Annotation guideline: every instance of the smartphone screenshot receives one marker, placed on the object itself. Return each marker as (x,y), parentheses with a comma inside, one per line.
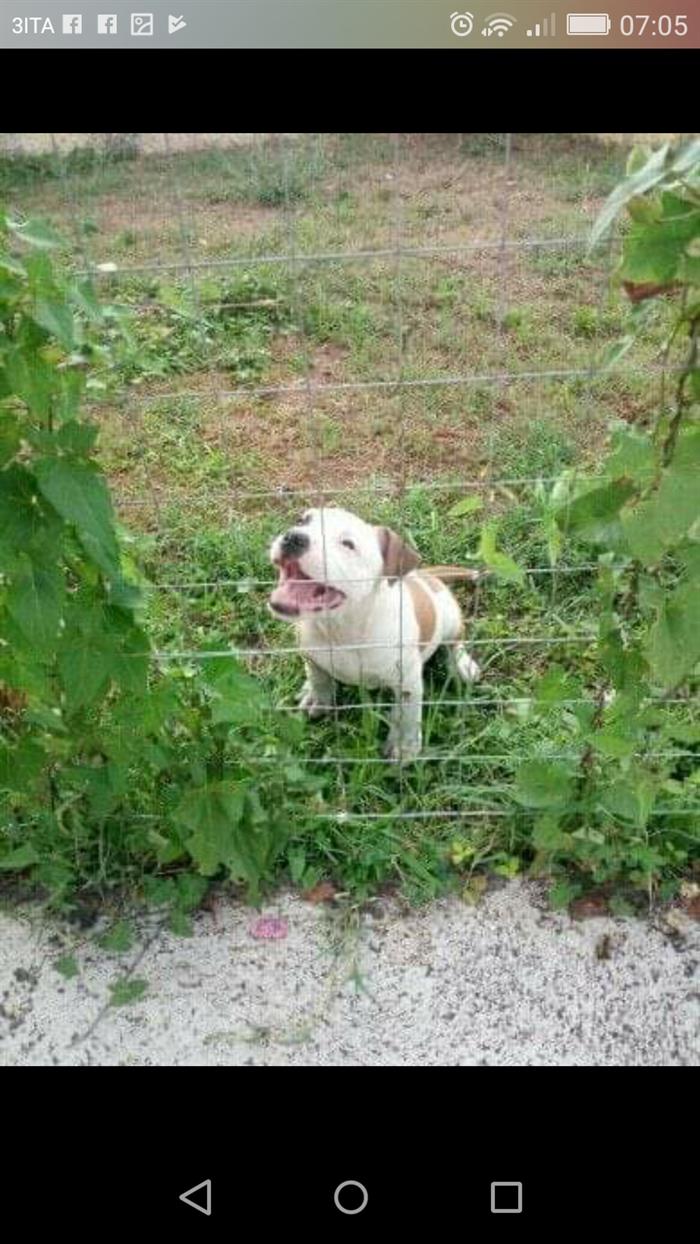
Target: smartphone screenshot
(349,592)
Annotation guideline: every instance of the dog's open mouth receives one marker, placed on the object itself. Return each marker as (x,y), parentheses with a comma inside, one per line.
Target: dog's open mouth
(296,593)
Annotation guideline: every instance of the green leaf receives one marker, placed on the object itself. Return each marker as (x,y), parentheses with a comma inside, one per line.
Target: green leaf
(556,685)
(654,525)
(66,966)
(77,438)
(469,505)
(129,654)
(543,784)
(297,864)
(19,859)
(656,252)
(158,890)
(106,786)
(629,800)
(34,600)
(237,698)
(626,667)
(633,456)
(21,765)
(147,716)
(180,923)
(615,740)
(563,893)
(190,890)
(233,829)
(33,380)
(594,515)
(81,497)
(498,563)
(651,594)
(213,814)
(616,351)
(9,437)
(35,234)
(508,866)
(637,183)
(127,990)
(84,674)
(83,296)
(27,523)
(57,319)
(548,835)
(673,644)
(67,401)
(118,939)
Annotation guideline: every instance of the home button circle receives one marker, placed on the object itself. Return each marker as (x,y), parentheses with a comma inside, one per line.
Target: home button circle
(350,1197)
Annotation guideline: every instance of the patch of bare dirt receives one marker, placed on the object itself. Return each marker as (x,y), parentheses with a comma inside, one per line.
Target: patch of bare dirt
(215,221)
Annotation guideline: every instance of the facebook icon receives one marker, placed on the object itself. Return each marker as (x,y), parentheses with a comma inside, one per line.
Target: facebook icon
(72,24)
(106,23)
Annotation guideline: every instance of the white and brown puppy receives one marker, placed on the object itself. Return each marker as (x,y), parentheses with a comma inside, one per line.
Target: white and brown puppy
(364,614)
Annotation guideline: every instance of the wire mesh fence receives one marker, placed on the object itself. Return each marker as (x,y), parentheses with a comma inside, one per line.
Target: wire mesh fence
(391,323)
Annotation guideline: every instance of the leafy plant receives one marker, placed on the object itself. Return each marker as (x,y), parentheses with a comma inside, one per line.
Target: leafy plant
(125,991)
(626,803)
(111,769)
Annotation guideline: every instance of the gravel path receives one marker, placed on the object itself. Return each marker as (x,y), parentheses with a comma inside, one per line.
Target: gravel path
(506,983)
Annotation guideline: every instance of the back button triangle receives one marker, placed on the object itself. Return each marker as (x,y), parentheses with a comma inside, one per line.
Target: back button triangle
(187,1197)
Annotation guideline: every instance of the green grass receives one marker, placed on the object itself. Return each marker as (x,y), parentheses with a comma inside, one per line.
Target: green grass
(275,176)
(484,741)
(191,337)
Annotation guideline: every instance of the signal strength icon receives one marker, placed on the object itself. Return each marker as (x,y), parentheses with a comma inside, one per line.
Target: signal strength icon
(498,24)
(548,27)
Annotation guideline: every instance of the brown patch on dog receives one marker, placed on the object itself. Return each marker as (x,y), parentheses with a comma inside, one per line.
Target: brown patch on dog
(399,557)
(425,610)
(432,582)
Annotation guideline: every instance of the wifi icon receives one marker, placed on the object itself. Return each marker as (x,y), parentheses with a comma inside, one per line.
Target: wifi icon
(498,24)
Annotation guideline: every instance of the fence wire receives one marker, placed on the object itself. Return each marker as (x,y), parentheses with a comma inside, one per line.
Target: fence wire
(502,220)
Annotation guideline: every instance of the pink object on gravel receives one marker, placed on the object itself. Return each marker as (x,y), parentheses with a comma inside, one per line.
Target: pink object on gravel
(271,928)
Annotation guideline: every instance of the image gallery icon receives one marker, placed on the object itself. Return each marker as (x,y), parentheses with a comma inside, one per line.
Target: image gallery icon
(142,23)
(72,23)
(106,23)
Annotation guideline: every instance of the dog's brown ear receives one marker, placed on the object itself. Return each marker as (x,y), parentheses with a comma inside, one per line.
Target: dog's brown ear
(399,557)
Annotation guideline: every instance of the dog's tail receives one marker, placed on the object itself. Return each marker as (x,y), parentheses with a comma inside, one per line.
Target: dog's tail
(454,574)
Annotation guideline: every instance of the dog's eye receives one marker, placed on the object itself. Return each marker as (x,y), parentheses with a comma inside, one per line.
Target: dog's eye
(305,518)
(348,544)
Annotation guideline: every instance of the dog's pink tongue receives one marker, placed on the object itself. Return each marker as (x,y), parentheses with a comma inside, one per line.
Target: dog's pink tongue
(293,593)
(285,597)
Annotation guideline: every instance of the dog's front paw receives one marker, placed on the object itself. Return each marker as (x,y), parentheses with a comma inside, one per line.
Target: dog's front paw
(402,750)
(313,707)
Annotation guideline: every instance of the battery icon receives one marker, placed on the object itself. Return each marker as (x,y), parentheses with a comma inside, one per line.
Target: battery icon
(587,24)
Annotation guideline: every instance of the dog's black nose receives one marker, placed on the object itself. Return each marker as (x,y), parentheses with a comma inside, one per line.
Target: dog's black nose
(294,543)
